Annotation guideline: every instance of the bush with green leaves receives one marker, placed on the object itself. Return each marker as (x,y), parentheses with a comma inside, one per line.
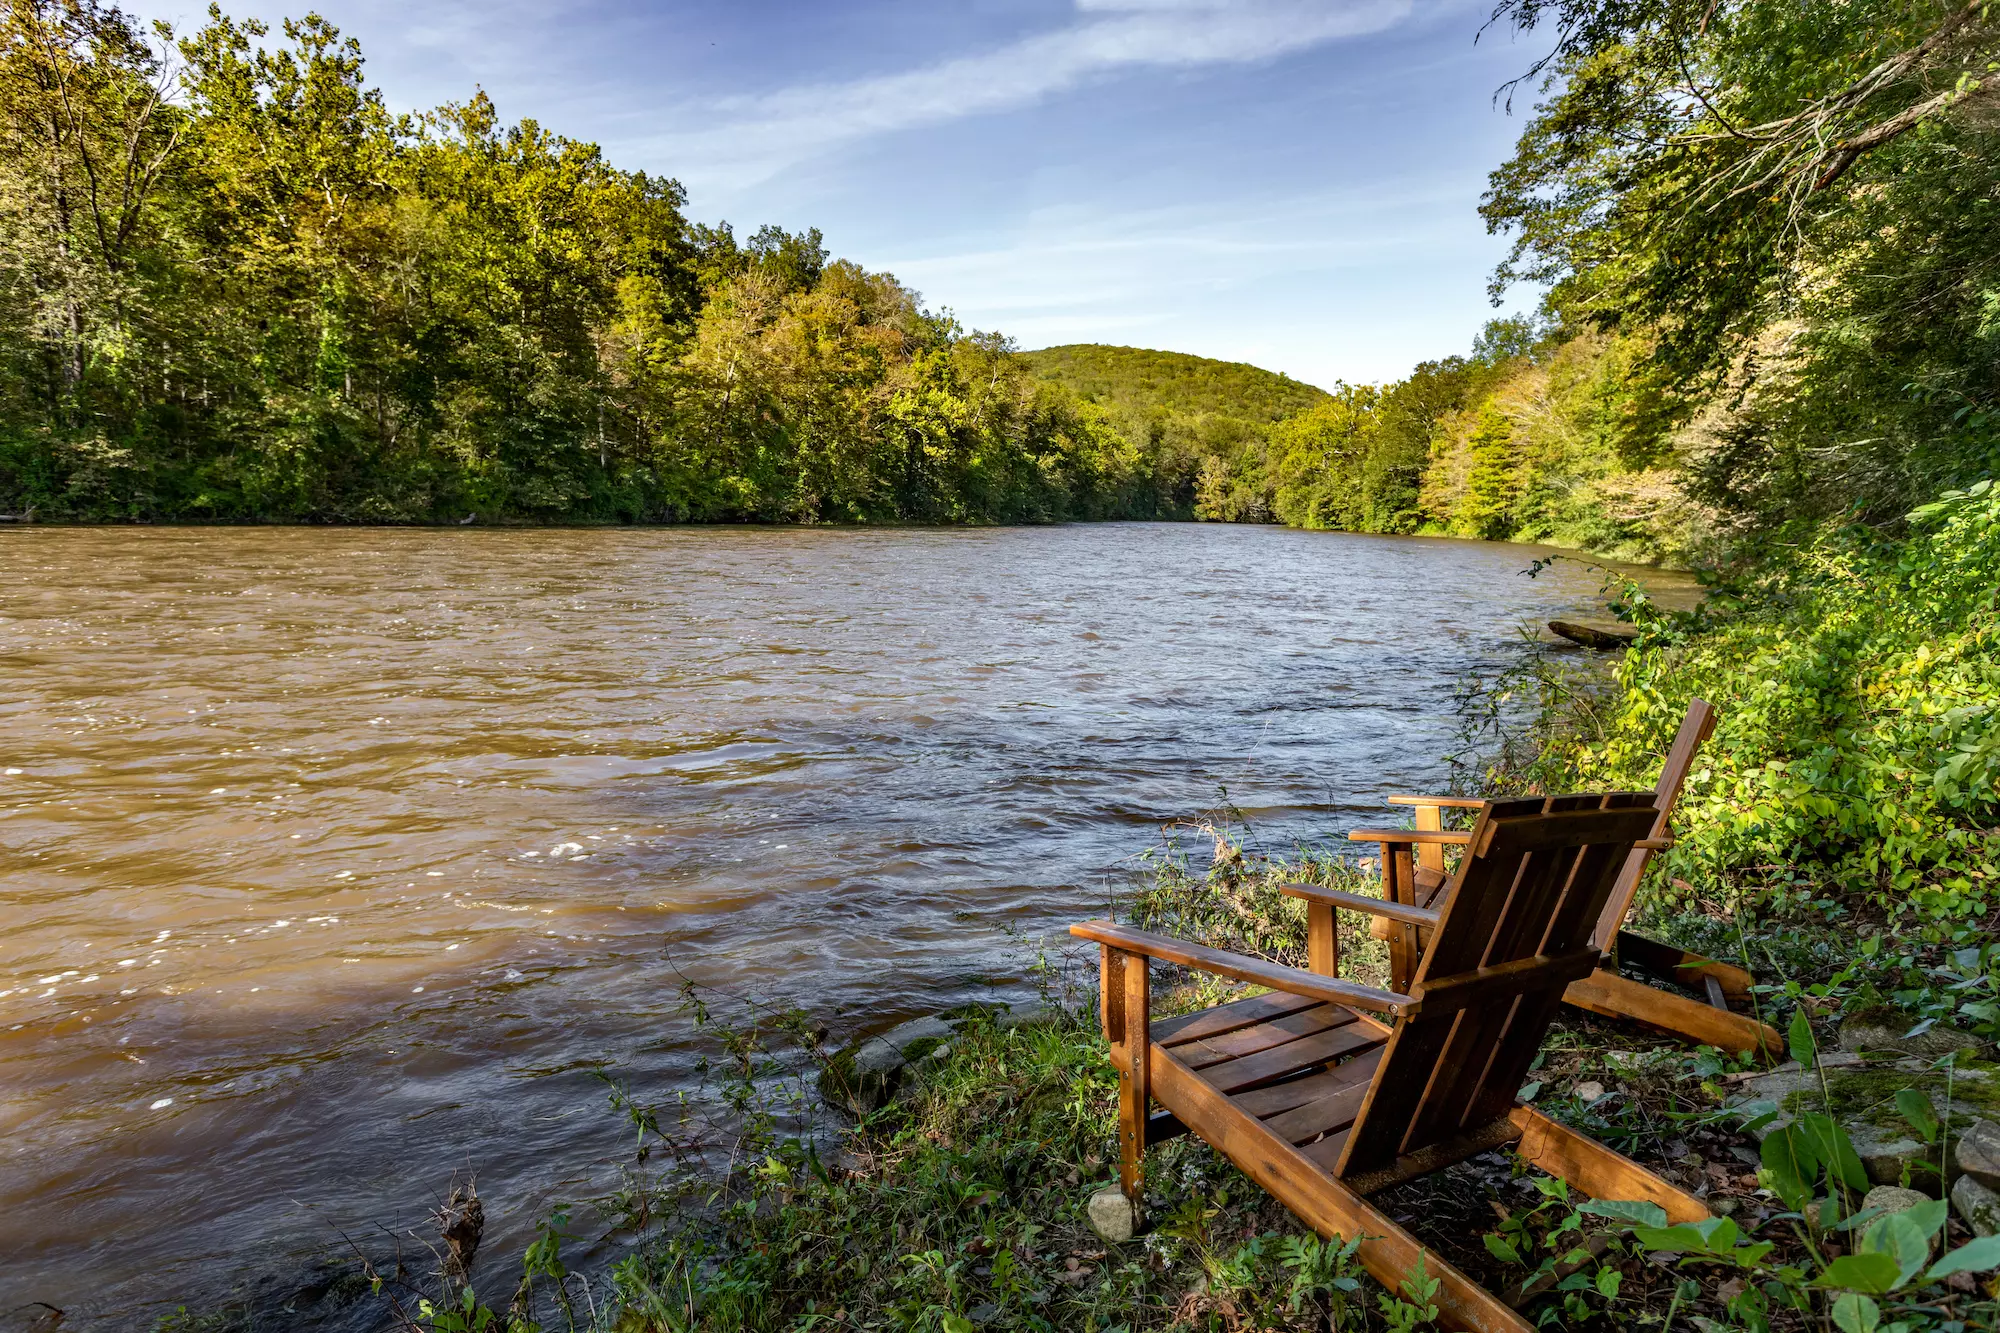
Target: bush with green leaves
(1857,742)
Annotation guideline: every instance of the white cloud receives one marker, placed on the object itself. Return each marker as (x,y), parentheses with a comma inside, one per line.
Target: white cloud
(1355,284)
(746,139)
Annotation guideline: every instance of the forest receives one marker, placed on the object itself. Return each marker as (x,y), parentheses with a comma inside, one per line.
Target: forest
(236,286)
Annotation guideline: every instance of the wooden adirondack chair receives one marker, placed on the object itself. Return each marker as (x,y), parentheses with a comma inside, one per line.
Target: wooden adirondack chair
(1325,1091)
(1413,871)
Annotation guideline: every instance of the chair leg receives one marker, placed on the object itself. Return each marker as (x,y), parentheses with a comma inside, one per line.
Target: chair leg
(1596,1169)
(1607,993)
(1134,1085)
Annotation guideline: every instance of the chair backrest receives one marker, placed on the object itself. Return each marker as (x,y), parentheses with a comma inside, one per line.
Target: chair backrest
(1514,932)
(1696,727)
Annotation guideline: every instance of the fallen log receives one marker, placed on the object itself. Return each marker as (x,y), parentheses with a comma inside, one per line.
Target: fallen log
(1602,638)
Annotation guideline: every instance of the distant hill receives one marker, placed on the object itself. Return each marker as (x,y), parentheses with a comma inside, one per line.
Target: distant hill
(1141,383)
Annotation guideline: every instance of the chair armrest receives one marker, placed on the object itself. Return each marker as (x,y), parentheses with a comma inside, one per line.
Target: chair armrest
(1239,967)
(1441,802)
(1447,837)
(1354,902)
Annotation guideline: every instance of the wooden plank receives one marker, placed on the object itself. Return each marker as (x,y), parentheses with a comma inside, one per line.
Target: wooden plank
(1322,940)
(1334,1111)
(1595,1169)
(1695,728)
(1386,1250)
(1111,999)
(1671,963)
(1505,980)
(1408,1065)
(1269,1066)
(1317,897)
(1399,885)
(1227,1017)
(1608,993)
(1241,967)
(1250,1040)
(1429,818)
(1436,1156)
(1398,837)
(1569,828)
(1274,1098)
(1162,1126)
(1440,802)
(1135,1085)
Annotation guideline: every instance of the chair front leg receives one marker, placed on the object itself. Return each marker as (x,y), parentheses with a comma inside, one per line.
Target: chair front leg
(1135,1089)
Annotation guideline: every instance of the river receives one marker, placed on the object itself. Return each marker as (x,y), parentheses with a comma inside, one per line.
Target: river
(335,860)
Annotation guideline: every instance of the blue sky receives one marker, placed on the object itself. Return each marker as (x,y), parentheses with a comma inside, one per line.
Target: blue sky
(1287,182)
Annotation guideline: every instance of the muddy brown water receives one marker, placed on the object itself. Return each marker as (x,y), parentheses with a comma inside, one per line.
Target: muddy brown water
(335,860)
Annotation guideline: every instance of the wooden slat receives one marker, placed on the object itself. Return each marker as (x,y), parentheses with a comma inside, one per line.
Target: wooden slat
(1327,1151)
(1678,965)
(1135,1085)
(1597,1170)
(1571,828)
(1263,1036)
(1322,940)
(1269,1066)
(1274,1098)
(1226,1017)
(1436,1156)
(1336,1110)
(1387,1251)
(1440,802)
(1505,980)
(1619,997)
(1401,837)
(1354,902)
(1695,728)
(1241,967)
(1408,1065)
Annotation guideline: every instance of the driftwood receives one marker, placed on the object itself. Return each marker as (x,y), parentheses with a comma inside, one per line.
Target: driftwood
(1600,637)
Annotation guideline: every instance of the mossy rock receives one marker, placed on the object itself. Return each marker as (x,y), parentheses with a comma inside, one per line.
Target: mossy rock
(1882,1027)
(1861,1095)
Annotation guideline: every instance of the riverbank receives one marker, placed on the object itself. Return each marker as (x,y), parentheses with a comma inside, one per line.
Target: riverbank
(961,1201)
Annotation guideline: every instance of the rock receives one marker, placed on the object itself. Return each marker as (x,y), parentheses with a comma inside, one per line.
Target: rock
(864,1077)
(1881,1028)
(1112,1215)
(1977,1152)
(1885,1152)
(1894,1198)
(1588,1092)
(1026,1014)
(1978,1204)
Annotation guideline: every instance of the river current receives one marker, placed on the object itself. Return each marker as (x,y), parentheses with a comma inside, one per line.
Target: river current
(334,861)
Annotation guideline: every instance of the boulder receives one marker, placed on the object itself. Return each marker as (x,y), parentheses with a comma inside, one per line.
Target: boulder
(865,1076)
(1112,1215)
(1977,1152)
(1886,1152)
(1860,1093)
(1978,1204)
(1880,1028)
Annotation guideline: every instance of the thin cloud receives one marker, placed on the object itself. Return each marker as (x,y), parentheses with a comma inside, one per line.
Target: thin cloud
(747,139)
